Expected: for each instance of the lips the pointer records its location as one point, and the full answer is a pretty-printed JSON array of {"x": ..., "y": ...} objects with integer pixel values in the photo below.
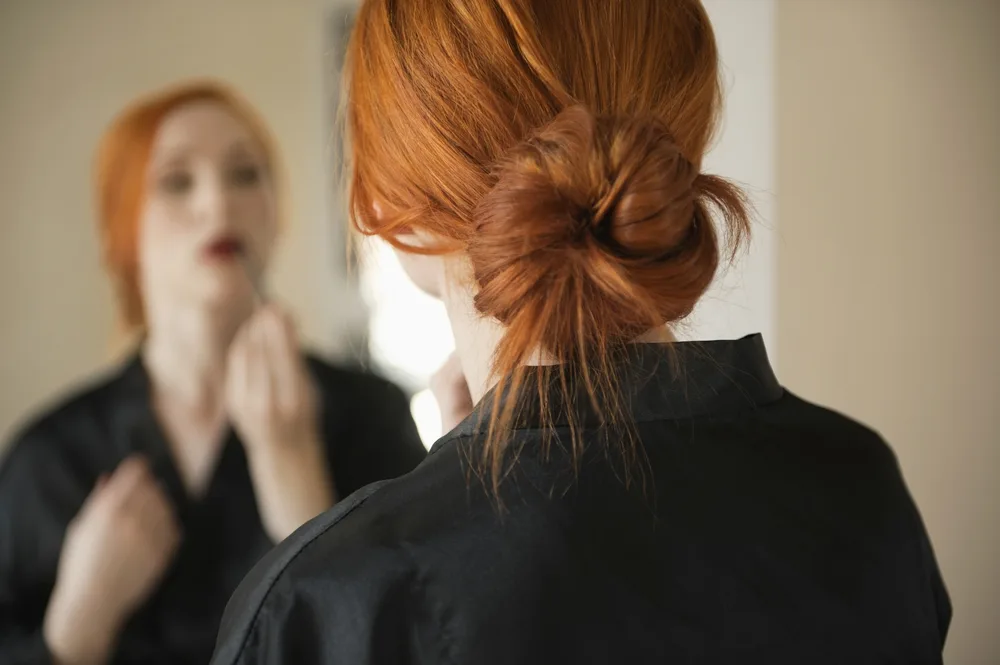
[{"x": 225, "y": 248}]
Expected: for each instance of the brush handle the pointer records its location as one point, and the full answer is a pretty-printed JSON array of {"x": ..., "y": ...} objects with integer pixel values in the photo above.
[{"x": 255, "y": 277}]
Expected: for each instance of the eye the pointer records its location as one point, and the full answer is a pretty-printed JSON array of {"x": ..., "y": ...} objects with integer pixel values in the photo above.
[
  {"x": 176, "y": 182},
  {"x": 246, "y": 175}
]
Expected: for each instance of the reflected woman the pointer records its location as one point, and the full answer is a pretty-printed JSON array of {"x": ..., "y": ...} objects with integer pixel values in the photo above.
[{"x": 130, "y": 511}]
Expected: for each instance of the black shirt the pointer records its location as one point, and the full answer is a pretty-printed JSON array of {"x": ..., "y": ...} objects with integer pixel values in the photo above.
[
  {"x": 54, "y": 464},
  {"x": 769, "y": 531}
]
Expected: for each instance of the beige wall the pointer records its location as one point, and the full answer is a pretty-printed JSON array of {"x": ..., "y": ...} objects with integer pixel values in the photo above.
[
  {"x": 65, "y": 69},
  {"x": 888, "y": 190}
]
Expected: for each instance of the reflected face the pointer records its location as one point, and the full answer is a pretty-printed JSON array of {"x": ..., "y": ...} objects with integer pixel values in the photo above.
[{"x": 209, "y": 218}]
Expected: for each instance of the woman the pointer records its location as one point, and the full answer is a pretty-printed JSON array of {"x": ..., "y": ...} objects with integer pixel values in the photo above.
[
  {"x": 616, "y": 497},
  {"x": 174, "y": 475}
]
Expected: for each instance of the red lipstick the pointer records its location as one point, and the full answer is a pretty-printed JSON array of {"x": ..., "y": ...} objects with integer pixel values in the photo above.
[{"x": 225, "y": 248}]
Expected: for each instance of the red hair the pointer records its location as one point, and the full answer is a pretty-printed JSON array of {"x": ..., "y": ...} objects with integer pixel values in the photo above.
[
  {"x": 558, "y": 143},
  {"x": 121, "y": 178}
]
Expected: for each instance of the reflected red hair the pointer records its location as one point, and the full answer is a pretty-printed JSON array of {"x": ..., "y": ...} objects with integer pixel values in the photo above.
[
  {"x": 558, "y": 143},
  {"x": 121, "y": 173}
]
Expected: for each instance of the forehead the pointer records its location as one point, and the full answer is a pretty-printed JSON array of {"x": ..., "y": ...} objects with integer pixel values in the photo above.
[{"x": 203, "y": 127}]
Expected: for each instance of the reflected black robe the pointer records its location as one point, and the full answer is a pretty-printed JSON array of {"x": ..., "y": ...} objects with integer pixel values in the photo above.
[
  {"x": 769, "y": 531},
  {"x": 53, "y": 464}
]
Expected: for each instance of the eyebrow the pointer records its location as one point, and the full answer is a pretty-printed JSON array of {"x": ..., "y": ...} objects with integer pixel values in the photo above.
[
  {"x": 244, "y": 148},
  {"x": 171, "y": 154}
]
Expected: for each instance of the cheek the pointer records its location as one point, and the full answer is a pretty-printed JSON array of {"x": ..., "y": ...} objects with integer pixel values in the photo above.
[
  {"x": 426, "y": 272},
  {"x": 257, "y": 214},
  {"x": 162, "y": 242}
]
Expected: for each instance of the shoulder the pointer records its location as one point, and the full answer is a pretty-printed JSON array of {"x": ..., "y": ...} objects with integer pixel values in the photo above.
[
  {"x": 828, "y": 436},
  {"x": 824, "y": 454},
  {"x": 51, "y": 429},
  {"x": 364, "y": 575},
  {"x": 862, "y": 471},
  {"x": 272, "y": 602},
  {"x": 53, "y": 459}
]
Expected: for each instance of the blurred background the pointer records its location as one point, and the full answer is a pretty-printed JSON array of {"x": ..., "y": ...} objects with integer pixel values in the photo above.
[{"x": 865, "y": 130}]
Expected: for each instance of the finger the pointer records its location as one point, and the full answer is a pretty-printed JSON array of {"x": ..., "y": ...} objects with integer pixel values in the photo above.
[
  {"x": 236, "y": 366},
  {"x": 283, "y": 358},
  {"x": 141, "y": 503},
  {"x": 455, "y": 365},
  {"x": 155, "y": 515},
  {"x": 252, "y": 268},
  {"x": 450, "y": 372},
  {"x": 100, "y": 484},
  {"x": 95, "y": 492},
  {"x": 160, "y": 516},
  {"x": 126, "y": 478},
  {"x": 299, "y": 379},
  {"x": 284, "y": 325},
  {"x": 291, "y": 336},
  {"x": 259, "y": 364}
]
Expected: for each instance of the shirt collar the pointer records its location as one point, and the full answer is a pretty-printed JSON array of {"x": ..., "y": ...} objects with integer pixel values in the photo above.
[{"x": 659, "y": 382}]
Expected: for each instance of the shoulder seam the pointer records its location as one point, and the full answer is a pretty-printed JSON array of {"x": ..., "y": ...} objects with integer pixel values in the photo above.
[
  {"x": 36, "y": 419},
  {"x": 256, "y": 614}
]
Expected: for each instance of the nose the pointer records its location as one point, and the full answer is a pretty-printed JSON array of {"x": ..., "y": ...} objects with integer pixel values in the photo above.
[{"x": 214, "y": 204}]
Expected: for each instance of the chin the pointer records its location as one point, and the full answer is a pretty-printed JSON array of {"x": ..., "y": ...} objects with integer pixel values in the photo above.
[{"x": 225, "y": 291}]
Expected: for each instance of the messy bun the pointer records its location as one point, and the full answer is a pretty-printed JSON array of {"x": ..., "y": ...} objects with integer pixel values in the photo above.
[{"x": 596, "y": 230}]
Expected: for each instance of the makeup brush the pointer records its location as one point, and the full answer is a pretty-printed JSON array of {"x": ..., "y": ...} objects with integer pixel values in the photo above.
[{"x": 255, "y": 275}]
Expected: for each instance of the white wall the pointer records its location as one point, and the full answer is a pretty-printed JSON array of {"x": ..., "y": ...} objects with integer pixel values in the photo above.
[
  {"x": 65, "y": 69},
  {"x": 743, "y": 300}
]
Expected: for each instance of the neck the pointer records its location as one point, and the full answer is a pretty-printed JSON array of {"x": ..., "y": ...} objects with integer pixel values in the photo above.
[
  {"x": 476, "y": 338},
  {"x": 186, "y": 349},
  {"x": 661, "y": 335}
]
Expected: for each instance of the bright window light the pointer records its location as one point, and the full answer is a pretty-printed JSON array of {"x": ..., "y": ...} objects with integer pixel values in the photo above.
[{"x": 409, "y": 333}]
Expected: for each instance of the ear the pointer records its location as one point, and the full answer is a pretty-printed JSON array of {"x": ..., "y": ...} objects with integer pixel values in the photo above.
[{"x": 405, "y": 233}]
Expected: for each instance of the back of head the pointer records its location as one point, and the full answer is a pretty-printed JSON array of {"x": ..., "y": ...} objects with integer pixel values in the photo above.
[
  {"x": 559, "y": 144},
  {"x": 120, "y": 178}
]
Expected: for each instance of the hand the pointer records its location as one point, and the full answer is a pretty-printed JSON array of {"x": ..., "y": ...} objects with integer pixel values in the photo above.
[
  {"x": 451, "y": 391},
  {"x": 270, "y": 396},
  {"x": 116, "y": 550},
  {"x": 273, "y": 405}
]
